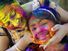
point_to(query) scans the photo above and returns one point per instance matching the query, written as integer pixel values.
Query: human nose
(38, 29)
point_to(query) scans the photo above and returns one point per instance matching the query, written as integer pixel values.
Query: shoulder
(2, 32)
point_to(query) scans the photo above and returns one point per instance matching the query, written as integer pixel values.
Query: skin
(23, 42)
(38, 26)
(61, 13)
(64, 18)
(4, 41)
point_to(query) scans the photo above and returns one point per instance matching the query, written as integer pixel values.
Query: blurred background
(62, 3)
(24, 1)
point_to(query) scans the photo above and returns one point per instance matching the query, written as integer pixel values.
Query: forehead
(36, 20)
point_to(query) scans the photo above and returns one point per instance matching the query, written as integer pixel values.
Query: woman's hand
(61, 31)
(27, 37)
(22, 43)
(56, 47)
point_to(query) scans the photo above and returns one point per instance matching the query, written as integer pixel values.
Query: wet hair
(47, 13)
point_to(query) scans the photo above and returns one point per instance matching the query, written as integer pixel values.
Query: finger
(44, 46)
(47, 44)
(58, 36)
(56, 27)
(41, 45)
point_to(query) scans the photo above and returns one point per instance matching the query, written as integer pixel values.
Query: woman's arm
(63, 13)
(4, 40)
(22, 43)
(28, 6)
(4, 43)
(61, 31)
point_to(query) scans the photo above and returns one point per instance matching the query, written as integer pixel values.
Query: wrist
(26, 40)
(27, 37)
(22, 44)
(66, 26)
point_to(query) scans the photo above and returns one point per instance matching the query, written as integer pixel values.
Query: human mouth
(42, 35)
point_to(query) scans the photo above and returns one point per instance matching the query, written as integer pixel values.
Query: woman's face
(16, 18)
(40, 29)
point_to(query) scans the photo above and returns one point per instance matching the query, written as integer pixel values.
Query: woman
(13, 26)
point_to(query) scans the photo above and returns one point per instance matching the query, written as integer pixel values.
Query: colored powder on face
(19, 10)
(13, 16)
(44, 31)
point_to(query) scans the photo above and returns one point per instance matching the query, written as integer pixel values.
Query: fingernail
(52, 29)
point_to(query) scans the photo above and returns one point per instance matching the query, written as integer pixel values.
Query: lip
(42, 35)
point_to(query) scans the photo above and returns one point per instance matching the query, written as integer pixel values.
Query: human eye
(12, 14)
(20, 30)
(34, 28)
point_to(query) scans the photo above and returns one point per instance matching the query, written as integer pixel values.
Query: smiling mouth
(42, 35)
(43, 32)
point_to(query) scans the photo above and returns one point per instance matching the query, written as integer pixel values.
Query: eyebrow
(40, 20)
(36, 22)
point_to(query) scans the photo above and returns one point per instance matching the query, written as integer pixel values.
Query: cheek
(45, 27)
(50, 25)
(34, 31)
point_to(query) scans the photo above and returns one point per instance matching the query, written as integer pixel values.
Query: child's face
(41, 29)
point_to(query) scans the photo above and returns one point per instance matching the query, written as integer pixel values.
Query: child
(40, 25)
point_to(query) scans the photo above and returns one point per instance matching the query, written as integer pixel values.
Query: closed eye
(20, 30)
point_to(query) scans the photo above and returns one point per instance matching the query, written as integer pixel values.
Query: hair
(43, 13)
(6, 2)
